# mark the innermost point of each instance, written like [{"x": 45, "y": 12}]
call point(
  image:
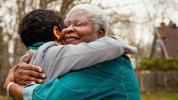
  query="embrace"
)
[{"x": 72, "y": 59}]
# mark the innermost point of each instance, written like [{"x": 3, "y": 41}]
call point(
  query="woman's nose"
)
[{"x": 68, "y": 29}]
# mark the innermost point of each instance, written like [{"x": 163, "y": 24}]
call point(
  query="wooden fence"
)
[{"x": 153, "y": 81}]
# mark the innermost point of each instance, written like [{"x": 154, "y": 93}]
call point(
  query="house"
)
[{"x": 166, "y": 41}]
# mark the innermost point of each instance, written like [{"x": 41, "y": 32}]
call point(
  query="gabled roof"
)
[{"x": 169, "y": 36}]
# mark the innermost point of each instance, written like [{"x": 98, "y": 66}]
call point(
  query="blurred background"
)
[{"x": 150, "y": 25}]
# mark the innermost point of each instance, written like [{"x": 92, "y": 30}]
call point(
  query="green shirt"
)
[{"x": 112, "y": 80}]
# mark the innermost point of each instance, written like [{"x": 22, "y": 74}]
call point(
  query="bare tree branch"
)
[
  {"x": 65, "y": 6},
  {"x": 43, "y": 4}
]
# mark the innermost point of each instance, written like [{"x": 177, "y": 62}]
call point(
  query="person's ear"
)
[
  {"x": 101, "y": 32},
  {"x": 57, "y": 33}
]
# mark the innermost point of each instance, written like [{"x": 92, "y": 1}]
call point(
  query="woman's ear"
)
[
  {"x": 56, "y": 32},
  {"x": 101, "y": 32}
]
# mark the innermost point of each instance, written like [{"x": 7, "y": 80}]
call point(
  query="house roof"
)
[{"x": 169, "y": 36}]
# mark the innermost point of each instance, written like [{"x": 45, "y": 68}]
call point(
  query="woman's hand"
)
[{"x": 27, "y": 73}]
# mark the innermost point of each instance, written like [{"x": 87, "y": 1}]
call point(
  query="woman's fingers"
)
[
  {"x": 27, "y": 73},
  {"x": 31, "y": 67}
]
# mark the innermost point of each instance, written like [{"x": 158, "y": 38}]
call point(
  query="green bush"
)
[{"x": 158, "y": 64}]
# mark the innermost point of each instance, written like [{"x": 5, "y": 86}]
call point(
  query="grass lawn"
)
[
  {"x": 160, "y": 96},
  {"x": 145, "y": 96}
]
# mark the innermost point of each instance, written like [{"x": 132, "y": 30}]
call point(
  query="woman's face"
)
[{"x": 79, "y": 28}]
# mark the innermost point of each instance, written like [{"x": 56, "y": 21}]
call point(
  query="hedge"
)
[{"x": 158, "y": 64}]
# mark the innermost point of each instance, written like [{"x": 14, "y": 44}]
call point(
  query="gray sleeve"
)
[
  {"x": 61, "y": 59},
  {"x": 23, "y": 57}
]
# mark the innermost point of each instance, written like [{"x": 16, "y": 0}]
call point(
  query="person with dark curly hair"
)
[{"x": 36, "y": 27}]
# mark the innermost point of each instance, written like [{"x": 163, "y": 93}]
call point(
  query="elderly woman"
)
[{"x": 113, "y": 79}]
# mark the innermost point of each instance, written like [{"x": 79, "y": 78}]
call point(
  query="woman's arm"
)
[
  {"x": 15, "y": 90},
  {"x": 63, "y": 58}
]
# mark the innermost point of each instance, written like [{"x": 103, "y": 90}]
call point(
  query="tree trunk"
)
[
  {"x": 4, "y": 61},
  {"x": 65, "y": 6},
  {"x": 43, "y": 4},
  {"x": 19, "y": 49}
]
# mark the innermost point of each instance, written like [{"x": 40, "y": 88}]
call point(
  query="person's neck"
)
[{"x": 35, "y": 46}]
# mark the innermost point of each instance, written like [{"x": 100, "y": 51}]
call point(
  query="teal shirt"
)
[
  {"x": 35, "y": 46},
  {"x": 110, "y": 80}
]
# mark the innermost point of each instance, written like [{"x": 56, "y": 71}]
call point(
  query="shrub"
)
[{"x": 158, "y": 64}]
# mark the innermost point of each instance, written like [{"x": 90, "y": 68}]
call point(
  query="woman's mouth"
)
[{"x": 70, "y": 39}]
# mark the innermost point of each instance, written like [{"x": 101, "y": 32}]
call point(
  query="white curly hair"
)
[{"x": 97, "y": 15}]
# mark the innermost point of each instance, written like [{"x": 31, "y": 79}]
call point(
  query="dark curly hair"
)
[{"x": 37, "y": 26}]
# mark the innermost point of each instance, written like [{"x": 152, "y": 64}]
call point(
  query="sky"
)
[{"x": 140, "y": 11}]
